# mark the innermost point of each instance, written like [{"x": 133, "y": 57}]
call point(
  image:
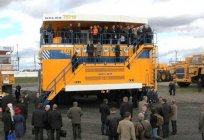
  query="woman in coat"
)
[
  {"x": 7, "y": 122},
  {"x": 19, "y": 124}
]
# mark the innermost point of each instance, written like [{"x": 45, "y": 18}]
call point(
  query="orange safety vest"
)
[{"x": 95, "y": 31}]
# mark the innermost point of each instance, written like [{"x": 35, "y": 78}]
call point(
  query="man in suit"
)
[
  {"x": 55, "y": 121},
  {"x": 126, "y": 107},
  {"x": 166, "y": 112},
  {"x": 117, "y": 51},
  {"x": 38, "y": 121},
  {"x": 75, "y": 114},
  {"x": 105, "y": 111}
]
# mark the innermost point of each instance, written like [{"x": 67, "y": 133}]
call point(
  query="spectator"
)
[
  {"x": 55, "y": 121},
  {"x": 19, "y": 124},
  {"x": 154, "y": 124},
  {"x": 78, "y": 33},
  {"x": 7, "y": 99},
  {"x": 142, "y": 103},
  {"x": 90, "y": 51},
  {"x": 201, "y": 121},
  {"x": 98, "y": 51},
  {"x": 199, "y": 84},
  {"x": 38, "y": 121},
  {"x": 95, "y": 34},
  {"x": 26, "y": 98},
  {"x": 145, "y": 112},
  {"x": 75, "y": 114},
  {"x": 105, "y": 111},
  {"x": 7, "y": 122},
  {"x": 126, "y": 107},
  {"x": 37, "y": 100},
  {"x": 18, "y": 93},
  {"x": 174, "y": 117},
  {"x": 142, "y": 128},
  {"x": 112, "y": 124},
  {"x": 47, "y": 125},
  {"x": 11, "y": 110},
  {"x": 24, "y": 110},
  {"x": 166, "y": 111},
  {"x": 91, "y": 33},
  {"x": 117, "y": 51},
  {"x": 172, "y": 88},
  {"x": 126, "y": 129},
  {"x": 74, "y": 62},
  {"x": 50, "y": 33}
]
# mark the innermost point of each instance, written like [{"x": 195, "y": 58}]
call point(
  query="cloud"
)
[{"x": 36, "y": 8}]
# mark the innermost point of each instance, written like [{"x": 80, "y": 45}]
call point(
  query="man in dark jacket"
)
[
  {"x": 166, "y": 112},
  {"x": 55, "y": 121},
  {"x": 18, "y": 92},
  {"x": 38, "y": 121},
  {"x": 7, "y": 122},
  {"x": 112, "y": 124},
  {"x": 117, "y": 51},
  {"x": 74, "y": 62},
  {"x": 172, "y": 88},
  {"x": 37, "y": 100},
  {"x": 126, "y": 107},
  {"x": 7, "y": 99},
  {"x": 47, "y": 125},
  {"x": 105, "y": 111},
  {"x": 90, "y": 51},
  {"x": 75, "y": 114},
  {"x": 24, "y": 110}
]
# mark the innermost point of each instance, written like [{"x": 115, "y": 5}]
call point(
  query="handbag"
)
[
  {"x": 11, "y": 136},
  {"x": 63, "y": 133}
]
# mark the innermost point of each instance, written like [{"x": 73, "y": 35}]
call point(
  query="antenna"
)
[
  {"x": 34, "y": 62},
  {"x": 176, "y": 55},
  {"x": 18, "y": 58}
]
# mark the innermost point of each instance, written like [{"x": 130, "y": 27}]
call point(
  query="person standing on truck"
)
[
  {"x": 117, "y": 52},
  {"x": 75, "y": 113},
  {"x": 98, "y": 51},
  {"x": 78, "y": 33},
  {"x": 74, "y": 61},
  {"x": 105, "y": 111},
  {"x": 90, "y": 51},
  {"x": 18, "y": 93}
]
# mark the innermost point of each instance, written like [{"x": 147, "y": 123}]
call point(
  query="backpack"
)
[
  {"x": 147, "y": 131},
  {"x": 160, "y": 120}
]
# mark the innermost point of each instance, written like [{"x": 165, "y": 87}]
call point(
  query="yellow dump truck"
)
[
  {"x": 6, "y": 71},
  {"x": 102, "y": 73}
]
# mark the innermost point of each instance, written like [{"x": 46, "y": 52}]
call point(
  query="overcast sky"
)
[{"x": 179, "y": 24}]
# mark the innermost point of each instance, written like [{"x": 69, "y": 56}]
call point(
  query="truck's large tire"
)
[{"x": 180, "y": 84}]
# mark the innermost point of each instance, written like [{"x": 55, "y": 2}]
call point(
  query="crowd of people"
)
[
  {"x": 96, "y": 33},
  {"x": 154, "y": 116}
]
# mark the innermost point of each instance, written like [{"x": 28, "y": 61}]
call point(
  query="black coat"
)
[
  {"x": 153, "y": 121},
  {"x": 47, "y": 125},
  {"x": 112, "y": 123},
  {"x": 7, "y": 121},
  {"x": 126, "y": 107},
  {"x": 90, "y": 49},
  {"x": 24, "y": 109},
  {"x": 5, "y": 100},
  {"x": 166, "y": 112},
  {"x": 55, "y": 119},
  {"x": 36, "y": 101},
  {"x": 39, "y": 118},
  {"x": 105, "y": 111},
  {"x": 117, "y": 50}
]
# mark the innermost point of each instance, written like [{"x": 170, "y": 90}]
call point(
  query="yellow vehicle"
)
[
  {"x": 104, "y": 75},
  {"x": 163, "y": 73},
  {"x": 6, "y": 71},
  {"x": 196, "y": 68}
]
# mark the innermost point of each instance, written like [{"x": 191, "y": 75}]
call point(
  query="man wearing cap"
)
[
  {"x": 38, "y": 121},
  {"x": 75, "y": 113},
  {"x": 105, "y": 111}
]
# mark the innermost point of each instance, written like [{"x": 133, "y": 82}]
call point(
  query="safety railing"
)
[{"x": 62, "y": 37}]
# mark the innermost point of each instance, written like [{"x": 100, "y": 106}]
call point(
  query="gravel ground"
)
[{"x": 188, "y": 99}]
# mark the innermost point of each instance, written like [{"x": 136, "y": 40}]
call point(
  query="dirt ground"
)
[{"x": 188, "y": 100}]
